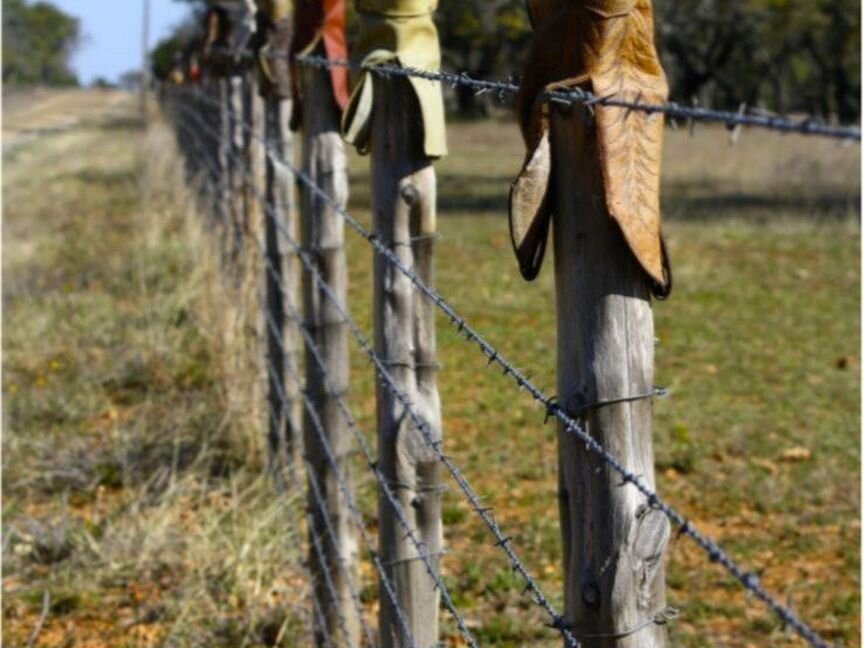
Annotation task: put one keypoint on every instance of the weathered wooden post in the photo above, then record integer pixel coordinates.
(254, 134)
(223, 154)
(405, 132)
(594, 173)
(235, 170)
(319, 27)
(280, 269)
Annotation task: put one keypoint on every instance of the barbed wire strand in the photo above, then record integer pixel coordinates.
(503, 89)
(357, 515)
(419, 545)
(316, 541)
(390, 496)
(319, 617)
(485, 513)
(750, 581)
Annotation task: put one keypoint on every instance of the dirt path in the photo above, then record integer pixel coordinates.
(42, 111)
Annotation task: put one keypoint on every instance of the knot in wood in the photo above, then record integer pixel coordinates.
(591, 595)
(410, 194)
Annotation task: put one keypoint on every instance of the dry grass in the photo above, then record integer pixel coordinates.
(133, 484)
(133, 444)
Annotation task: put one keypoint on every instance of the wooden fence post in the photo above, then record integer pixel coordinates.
(613, 541)
(223, 155)
(252, 154)
(322, 232)
(404, 214)
(281, 284)
(235, 160)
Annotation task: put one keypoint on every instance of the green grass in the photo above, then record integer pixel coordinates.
(132, 451)
(759, 345)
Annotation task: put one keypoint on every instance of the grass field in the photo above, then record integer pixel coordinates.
(132, 446)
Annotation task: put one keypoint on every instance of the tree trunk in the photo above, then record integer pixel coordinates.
(613, 543)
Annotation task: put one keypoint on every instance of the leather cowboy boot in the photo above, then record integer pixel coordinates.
(228, 27)
(605, 47)
(272, 42)
(319, 24)
(215, 57)
(399, 32)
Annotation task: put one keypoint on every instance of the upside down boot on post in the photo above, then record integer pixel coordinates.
(319, 24)
(605, 47)
(592, 173)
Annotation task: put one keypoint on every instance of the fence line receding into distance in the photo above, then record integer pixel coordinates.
(192, 110)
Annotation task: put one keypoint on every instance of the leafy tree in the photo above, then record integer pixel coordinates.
(782, 55)
(778, 55)
(485, 38)
(38, 42)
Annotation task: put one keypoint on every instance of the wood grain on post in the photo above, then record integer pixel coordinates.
(404, 214)
(322, 231)
(613, 542)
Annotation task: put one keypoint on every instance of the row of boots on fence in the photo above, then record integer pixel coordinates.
(600, 164)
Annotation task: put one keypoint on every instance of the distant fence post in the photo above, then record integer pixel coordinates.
(256, 151)
(223, 157)
(235, 158)
(322, 231)
(404, 214)
(281, 280)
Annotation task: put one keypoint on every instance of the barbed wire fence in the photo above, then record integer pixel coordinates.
(191, 109)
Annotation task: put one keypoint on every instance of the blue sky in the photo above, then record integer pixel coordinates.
(112, 29)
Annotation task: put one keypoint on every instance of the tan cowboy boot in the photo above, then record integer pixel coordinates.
(274, 34)
(605, 47)
(400, 32)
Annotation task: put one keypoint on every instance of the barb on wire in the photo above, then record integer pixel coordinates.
(485, 513)
(318, 620)
(419, 545)
(672, 110)
(747, 579)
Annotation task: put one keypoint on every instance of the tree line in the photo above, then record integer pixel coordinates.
(783, 56)
(38, 42)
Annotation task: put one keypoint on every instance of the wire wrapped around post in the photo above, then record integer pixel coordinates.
(327, 439)
(271, 43)
(402, 123)
(593, 174)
